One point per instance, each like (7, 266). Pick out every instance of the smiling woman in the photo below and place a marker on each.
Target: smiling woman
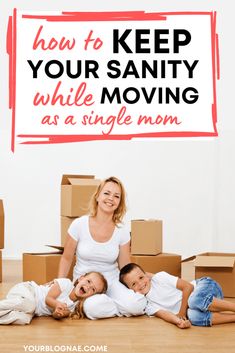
(102, 243)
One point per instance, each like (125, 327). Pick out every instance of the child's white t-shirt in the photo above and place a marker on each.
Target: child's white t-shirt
(163, 294)
(41, 292)
(96, 256)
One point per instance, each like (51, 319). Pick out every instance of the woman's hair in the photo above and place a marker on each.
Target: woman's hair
(121, 210)
(78, 312)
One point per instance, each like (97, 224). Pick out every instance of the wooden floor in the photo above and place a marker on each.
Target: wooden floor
(117, 335)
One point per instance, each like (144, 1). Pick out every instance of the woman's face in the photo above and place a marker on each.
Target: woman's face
(109, 197)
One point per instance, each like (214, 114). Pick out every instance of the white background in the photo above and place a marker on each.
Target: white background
(188, 183)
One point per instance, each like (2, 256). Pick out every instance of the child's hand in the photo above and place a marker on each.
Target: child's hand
(183, 323)
(61, 310)
(182, 315)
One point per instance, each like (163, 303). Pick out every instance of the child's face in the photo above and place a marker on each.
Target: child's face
(88, 285)
(138, 281)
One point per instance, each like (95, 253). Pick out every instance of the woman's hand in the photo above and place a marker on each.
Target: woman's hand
(149, 274)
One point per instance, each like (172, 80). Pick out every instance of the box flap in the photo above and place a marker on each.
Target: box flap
(42, 253)
(58, 247)
(65, 178)
(76, 181)
(214, 261)
(189, 258)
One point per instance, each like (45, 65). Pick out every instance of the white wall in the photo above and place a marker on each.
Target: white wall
(188, 183)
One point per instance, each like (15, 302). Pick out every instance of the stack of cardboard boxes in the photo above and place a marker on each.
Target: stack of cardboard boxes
(1, 235)
(146, 248)
(76, 192)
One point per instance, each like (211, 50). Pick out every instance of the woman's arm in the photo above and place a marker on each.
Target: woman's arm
(67, 257)
(186, 288)
(173, 319)
(124, 256)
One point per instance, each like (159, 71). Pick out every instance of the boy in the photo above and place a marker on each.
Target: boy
(177, 301)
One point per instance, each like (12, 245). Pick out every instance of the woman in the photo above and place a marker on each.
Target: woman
(102, 244)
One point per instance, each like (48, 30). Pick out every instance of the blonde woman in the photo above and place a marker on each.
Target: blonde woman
(101, 243)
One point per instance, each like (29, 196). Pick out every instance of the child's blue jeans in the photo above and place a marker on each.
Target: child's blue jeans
(200, 299)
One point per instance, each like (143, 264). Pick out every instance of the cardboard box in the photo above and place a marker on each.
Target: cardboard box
(76, 192)
(146, 237)
(64, 225)
(188, 271)
(170, 263)
(1, 225)
(43, 267)
(219, 266)
(0, 266)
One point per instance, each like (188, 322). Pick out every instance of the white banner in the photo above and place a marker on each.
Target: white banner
(114, 75)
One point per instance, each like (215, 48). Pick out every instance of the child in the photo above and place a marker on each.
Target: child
(59, 298)
(179, 302)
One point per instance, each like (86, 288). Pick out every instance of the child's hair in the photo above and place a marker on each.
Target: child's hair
(127, 269)
(78, 312)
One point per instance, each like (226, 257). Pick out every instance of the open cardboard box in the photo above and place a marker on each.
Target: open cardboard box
(1, 225)
(64, 225)
(219, 266)
(76, 192)
(170, 263)
(43, 267)
(146, 237)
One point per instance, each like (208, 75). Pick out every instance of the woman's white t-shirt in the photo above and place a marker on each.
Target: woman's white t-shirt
(41, 291)
(96, 256)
